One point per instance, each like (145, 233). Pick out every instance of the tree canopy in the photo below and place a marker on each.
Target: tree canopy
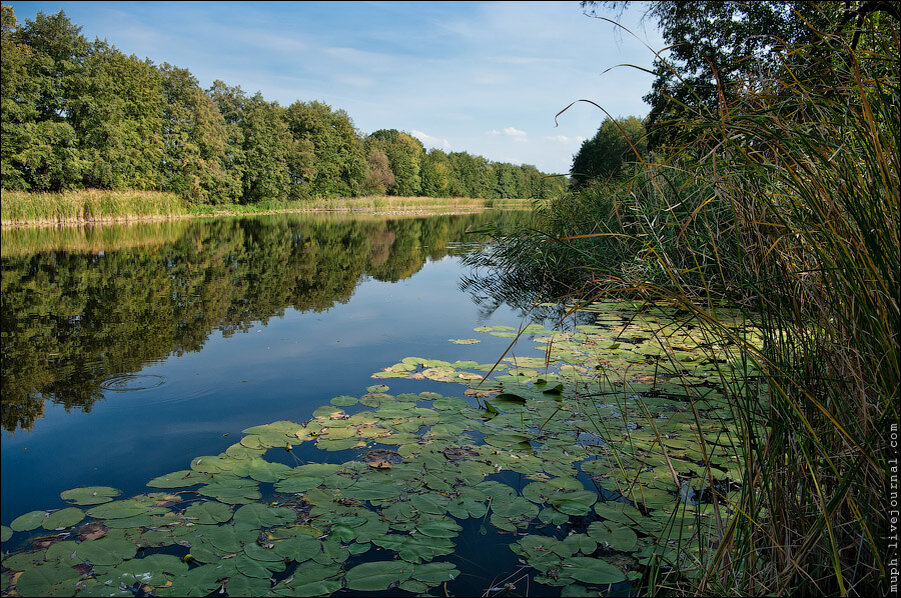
(80, 114)
(616, 143)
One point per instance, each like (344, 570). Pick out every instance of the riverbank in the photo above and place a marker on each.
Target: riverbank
(19, 208)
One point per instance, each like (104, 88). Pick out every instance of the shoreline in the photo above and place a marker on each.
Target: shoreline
(398, 210)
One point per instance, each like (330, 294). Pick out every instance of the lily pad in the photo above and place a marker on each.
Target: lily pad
(28, 521)
(258, 515)
(378, 575)
(47, 580)
(91, 495)
(179, 479)
(445, 528)
(592, 570)
(63, 518)
(105, 551)
(208, 513)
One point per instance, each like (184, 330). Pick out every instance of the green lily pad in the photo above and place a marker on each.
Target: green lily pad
(179, 479)
(63, 518)
(208, 512)
(244, 585)
(5, 533)
(258, 515)
(378, 575)
(434, 574)
(105, 551)
(199, 581)
(91, 495)
(444, 528)
(119, 510)
(299, 548)
(343, 401)
(153, 570)
(47, 580)
(592, 570)
(28, 521)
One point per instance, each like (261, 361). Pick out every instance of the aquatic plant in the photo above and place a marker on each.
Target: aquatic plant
(610, 451)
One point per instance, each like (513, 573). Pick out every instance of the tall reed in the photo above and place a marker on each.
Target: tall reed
(18, 207)
(785, 202)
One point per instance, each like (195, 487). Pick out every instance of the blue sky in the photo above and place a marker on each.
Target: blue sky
(481, 77)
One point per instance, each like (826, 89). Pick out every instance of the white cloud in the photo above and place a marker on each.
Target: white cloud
(431, 141)
(560, 138)
(516, 134)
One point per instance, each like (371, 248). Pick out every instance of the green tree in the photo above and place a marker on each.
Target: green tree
(42, 62)
(117, 115)
(472, 175)
(340, 160)
(405, 154)
(604, 155)
(435, 174)
(195, 142)
(267, 143)
(230, 102)
(716, 48)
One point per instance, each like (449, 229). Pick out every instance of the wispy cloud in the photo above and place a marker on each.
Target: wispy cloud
(430, 141)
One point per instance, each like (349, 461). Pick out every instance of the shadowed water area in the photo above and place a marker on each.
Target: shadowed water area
(305, 396)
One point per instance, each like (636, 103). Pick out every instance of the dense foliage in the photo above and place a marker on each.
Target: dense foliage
(773, 185)
(79, 114)
(604, 156)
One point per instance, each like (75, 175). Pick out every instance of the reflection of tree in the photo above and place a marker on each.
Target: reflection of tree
(70, 320)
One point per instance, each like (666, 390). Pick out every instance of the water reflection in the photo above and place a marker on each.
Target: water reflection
(85, 309)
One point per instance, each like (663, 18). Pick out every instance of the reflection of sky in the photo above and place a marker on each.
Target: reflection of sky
(282, 370)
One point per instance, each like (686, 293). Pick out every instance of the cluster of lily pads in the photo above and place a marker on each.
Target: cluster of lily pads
(619, 433)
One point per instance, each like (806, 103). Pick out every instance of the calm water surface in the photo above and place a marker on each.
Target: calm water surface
(128, 350)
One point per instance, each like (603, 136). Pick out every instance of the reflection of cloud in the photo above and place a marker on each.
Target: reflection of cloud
(429, 140)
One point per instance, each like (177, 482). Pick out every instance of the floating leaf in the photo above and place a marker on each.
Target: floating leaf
(378, 575)
(299, 548)
(47, 580)
(63, 518)
(152, 570)
(28, 521)
(119, 509)
(343, 401)
(439, 529)
(592, 570)
(91, 495)
(179, 479)
(5, 533)
(208, 512)
(258, 515)
(105, 551)
(244, 585)
(434, 574)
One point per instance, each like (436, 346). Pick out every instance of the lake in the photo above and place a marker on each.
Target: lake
(132, 352)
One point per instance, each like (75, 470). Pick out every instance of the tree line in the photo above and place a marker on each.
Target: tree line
(79, 114)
